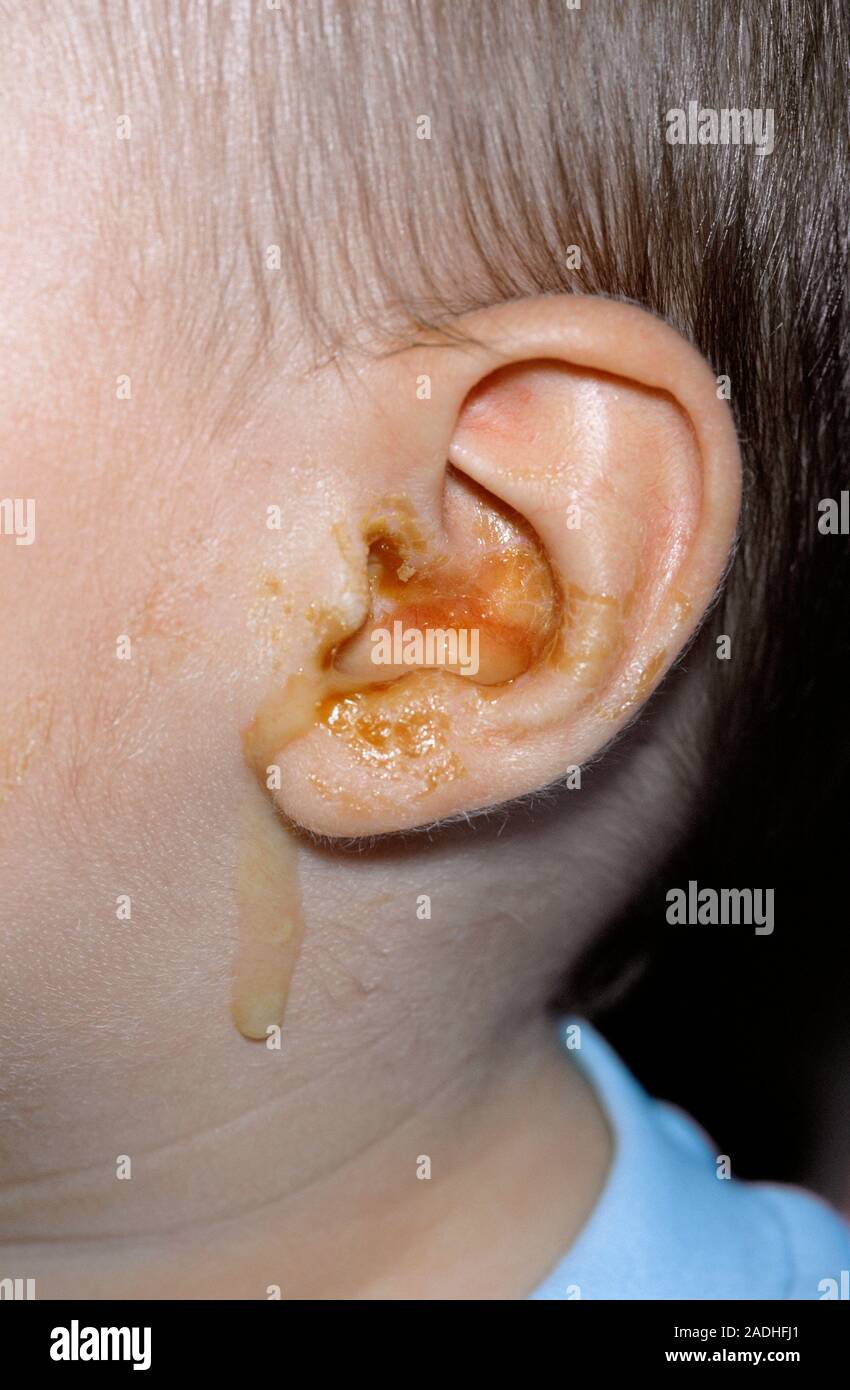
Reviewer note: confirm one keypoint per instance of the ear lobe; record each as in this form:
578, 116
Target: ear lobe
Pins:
588, 510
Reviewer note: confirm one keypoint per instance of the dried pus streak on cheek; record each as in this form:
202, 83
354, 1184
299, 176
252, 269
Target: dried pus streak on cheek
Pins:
270, 918
268, 895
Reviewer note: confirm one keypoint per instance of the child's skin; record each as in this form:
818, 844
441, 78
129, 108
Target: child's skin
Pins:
254, 1167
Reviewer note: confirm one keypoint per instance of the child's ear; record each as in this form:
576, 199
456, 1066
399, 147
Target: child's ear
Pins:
566, 485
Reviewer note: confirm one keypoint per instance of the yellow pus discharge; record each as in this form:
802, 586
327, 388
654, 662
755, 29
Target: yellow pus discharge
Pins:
502, 586
270, 918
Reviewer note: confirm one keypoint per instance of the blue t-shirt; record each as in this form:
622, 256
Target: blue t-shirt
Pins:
665, 1225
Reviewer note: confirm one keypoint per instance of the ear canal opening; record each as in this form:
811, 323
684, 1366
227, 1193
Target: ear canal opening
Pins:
482, 603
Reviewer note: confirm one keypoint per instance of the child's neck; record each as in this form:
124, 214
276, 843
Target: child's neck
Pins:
517, 1151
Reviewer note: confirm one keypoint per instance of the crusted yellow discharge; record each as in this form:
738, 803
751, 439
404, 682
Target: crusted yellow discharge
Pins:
267, 619
403, 724
649, 673
592, 634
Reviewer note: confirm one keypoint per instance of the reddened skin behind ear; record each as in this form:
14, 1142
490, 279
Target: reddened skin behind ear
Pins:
566, 495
